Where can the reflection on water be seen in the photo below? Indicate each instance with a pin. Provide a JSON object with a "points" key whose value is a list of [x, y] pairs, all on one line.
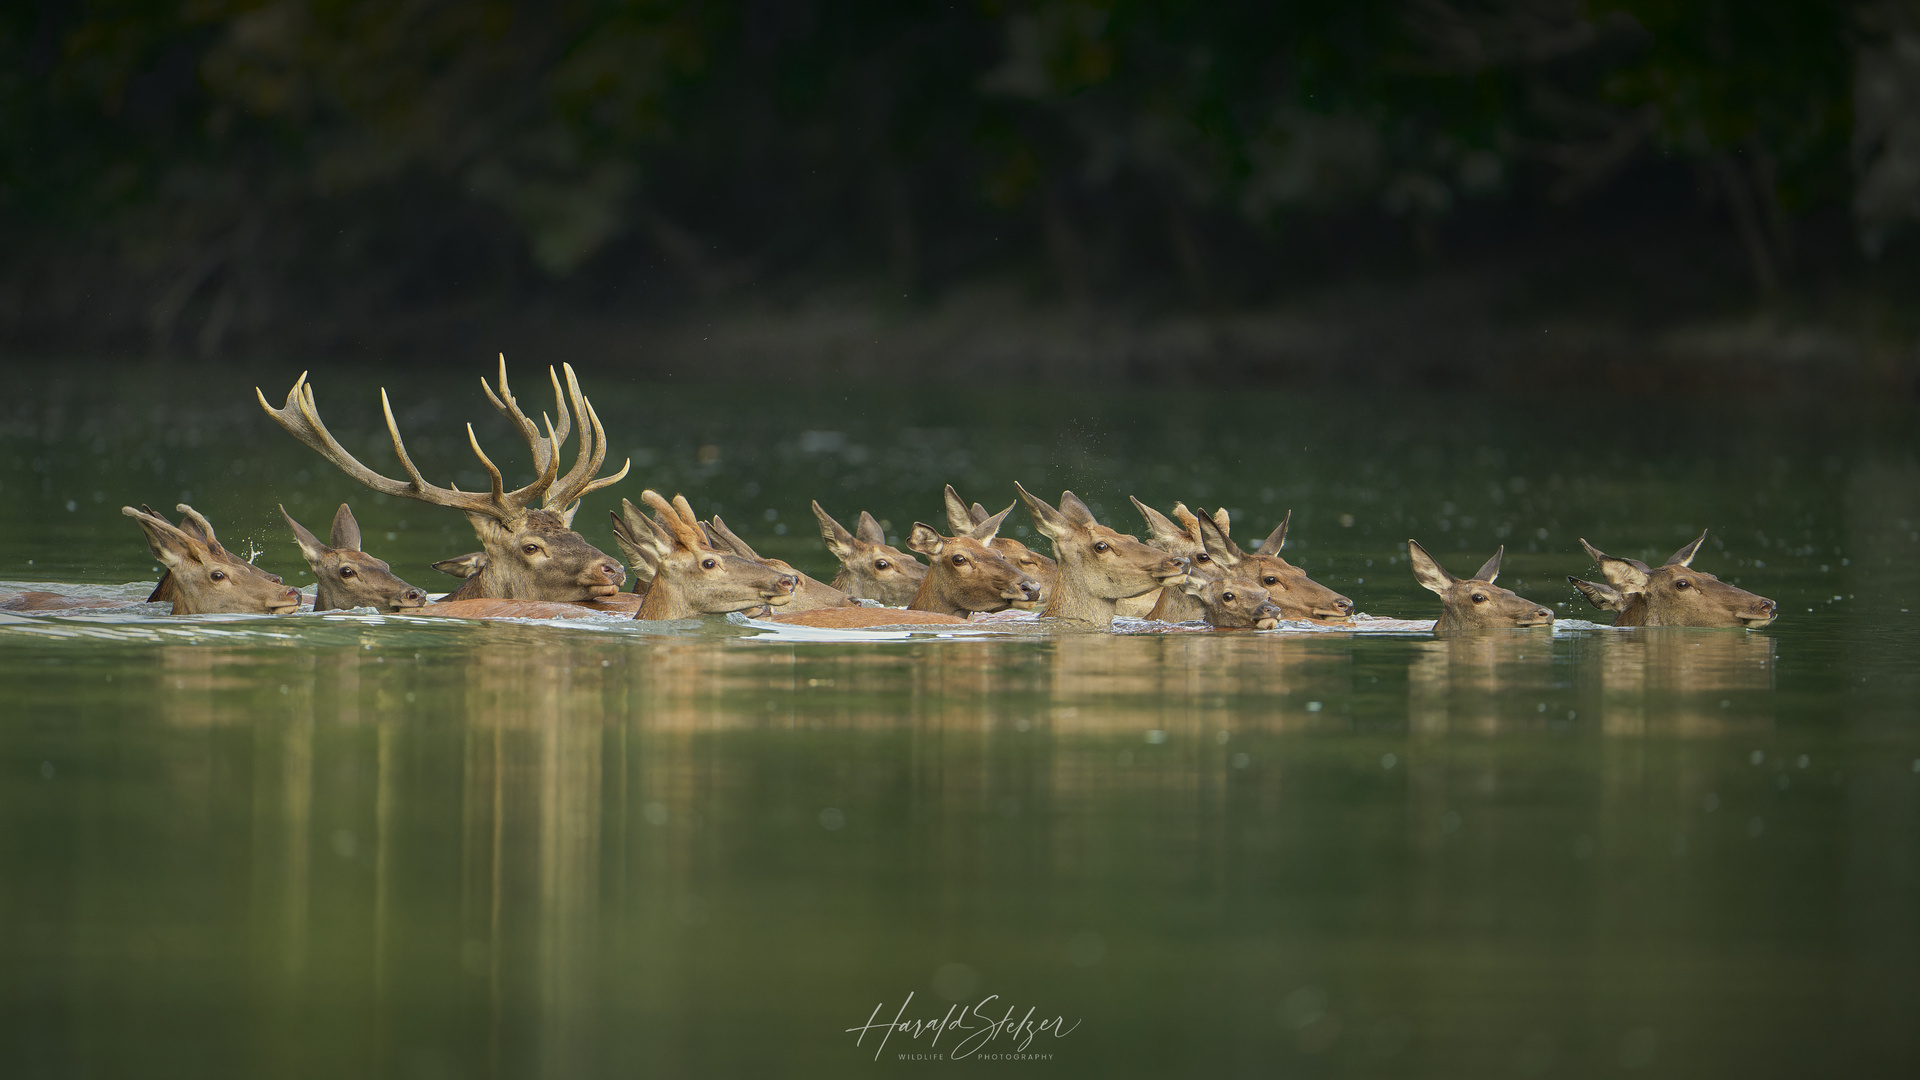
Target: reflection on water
{"points": [[506, 850], [346, 846]]}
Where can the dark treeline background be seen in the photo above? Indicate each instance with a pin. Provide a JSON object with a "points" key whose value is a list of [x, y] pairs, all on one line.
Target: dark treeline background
{"points": [[1358, 187]]}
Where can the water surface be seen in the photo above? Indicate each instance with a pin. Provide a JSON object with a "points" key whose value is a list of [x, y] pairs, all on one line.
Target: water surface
{"points": [[350, 845]]}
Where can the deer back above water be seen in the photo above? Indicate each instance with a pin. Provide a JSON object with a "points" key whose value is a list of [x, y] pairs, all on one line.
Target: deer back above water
{"points": [[201, 576], [1098, 566], [963, 518], [1474, 603], [531, 551], [691, 577], [346, 576], [870, 568], [1673, 594], [966, 574]]}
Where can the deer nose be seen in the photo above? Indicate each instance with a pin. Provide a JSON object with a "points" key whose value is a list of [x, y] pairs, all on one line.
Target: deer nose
{"points": [[1343, 605], [1031, 590], [788, 582], [414, 595]]}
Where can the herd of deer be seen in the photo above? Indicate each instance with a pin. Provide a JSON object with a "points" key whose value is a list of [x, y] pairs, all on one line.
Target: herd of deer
{"points": [[534, 565]]}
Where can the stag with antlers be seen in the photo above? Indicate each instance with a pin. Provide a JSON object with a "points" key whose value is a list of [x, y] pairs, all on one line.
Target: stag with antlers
{"points": [[531, 550]]}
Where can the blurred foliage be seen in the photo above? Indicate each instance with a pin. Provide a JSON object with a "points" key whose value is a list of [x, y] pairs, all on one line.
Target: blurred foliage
{"points": [[242, 158]]}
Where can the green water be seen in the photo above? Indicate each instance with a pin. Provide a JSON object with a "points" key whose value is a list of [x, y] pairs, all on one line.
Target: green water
{"points": [[351, 846]]}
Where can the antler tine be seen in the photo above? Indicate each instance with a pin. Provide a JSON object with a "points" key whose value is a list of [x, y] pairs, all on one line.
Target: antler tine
{"points": [[579, 481], [509, 407], [301, 418], [684, 529]]}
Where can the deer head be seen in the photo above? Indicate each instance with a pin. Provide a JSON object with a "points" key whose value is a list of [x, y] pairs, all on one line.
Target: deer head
{"points": [[962, 519], [870, 568], [1231, 603], [347, 576], [1183, 540], [965, 573], [1292, 590], [1674, 594], [1098, 566], [203, 578], [1474, 603], [532, 552], [810, 594], [690, 576]]}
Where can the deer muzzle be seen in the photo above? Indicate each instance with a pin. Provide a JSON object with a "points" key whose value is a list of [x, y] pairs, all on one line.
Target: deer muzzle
{"points": [[1759, 614], [781, 592], [603, 579], [289, 602], [412, 598], [1025, 590]]}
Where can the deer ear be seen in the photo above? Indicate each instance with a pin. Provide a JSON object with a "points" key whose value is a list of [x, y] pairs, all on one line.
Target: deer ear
{"points": [[1277, 539], [835, 535], [192, 522], [1075, 510], [1215, 541], [1491, 569], [1626, 575], [732, 542], [1051, 523], [1684, 557], [925, 541], [989, 528], [346, 531], [1428, 573], [869, 530], [1604, 597], [171, 546], [958, 519], [465, 566], [310, 545], [1160, 530]]}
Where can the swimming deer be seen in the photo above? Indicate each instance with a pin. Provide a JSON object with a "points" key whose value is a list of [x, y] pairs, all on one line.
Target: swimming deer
{"points": [[1230, 604], [1674, 594], [531, 550], [965, 574], [1292, 590], [1474, 603], [349, 577], [962, 519], [202, 577], [870, 568], [809, 594], [1098, 566], [691, 577], [1183, 541]]}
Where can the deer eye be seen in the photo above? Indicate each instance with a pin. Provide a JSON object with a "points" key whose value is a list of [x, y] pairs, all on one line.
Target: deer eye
{"points": [[1269, 580], [1228, 597], [1682, 583], [218, 575], [881, 564], [531, 549], [346, 571], [959, 560], [708, 564], [1101, 547], [1479, 598], [1203, 557]]}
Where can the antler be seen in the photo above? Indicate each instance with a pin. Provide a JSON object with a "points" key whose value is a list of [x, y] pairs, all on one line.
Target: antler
{"points": [[302, 420], [564, 496]]}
